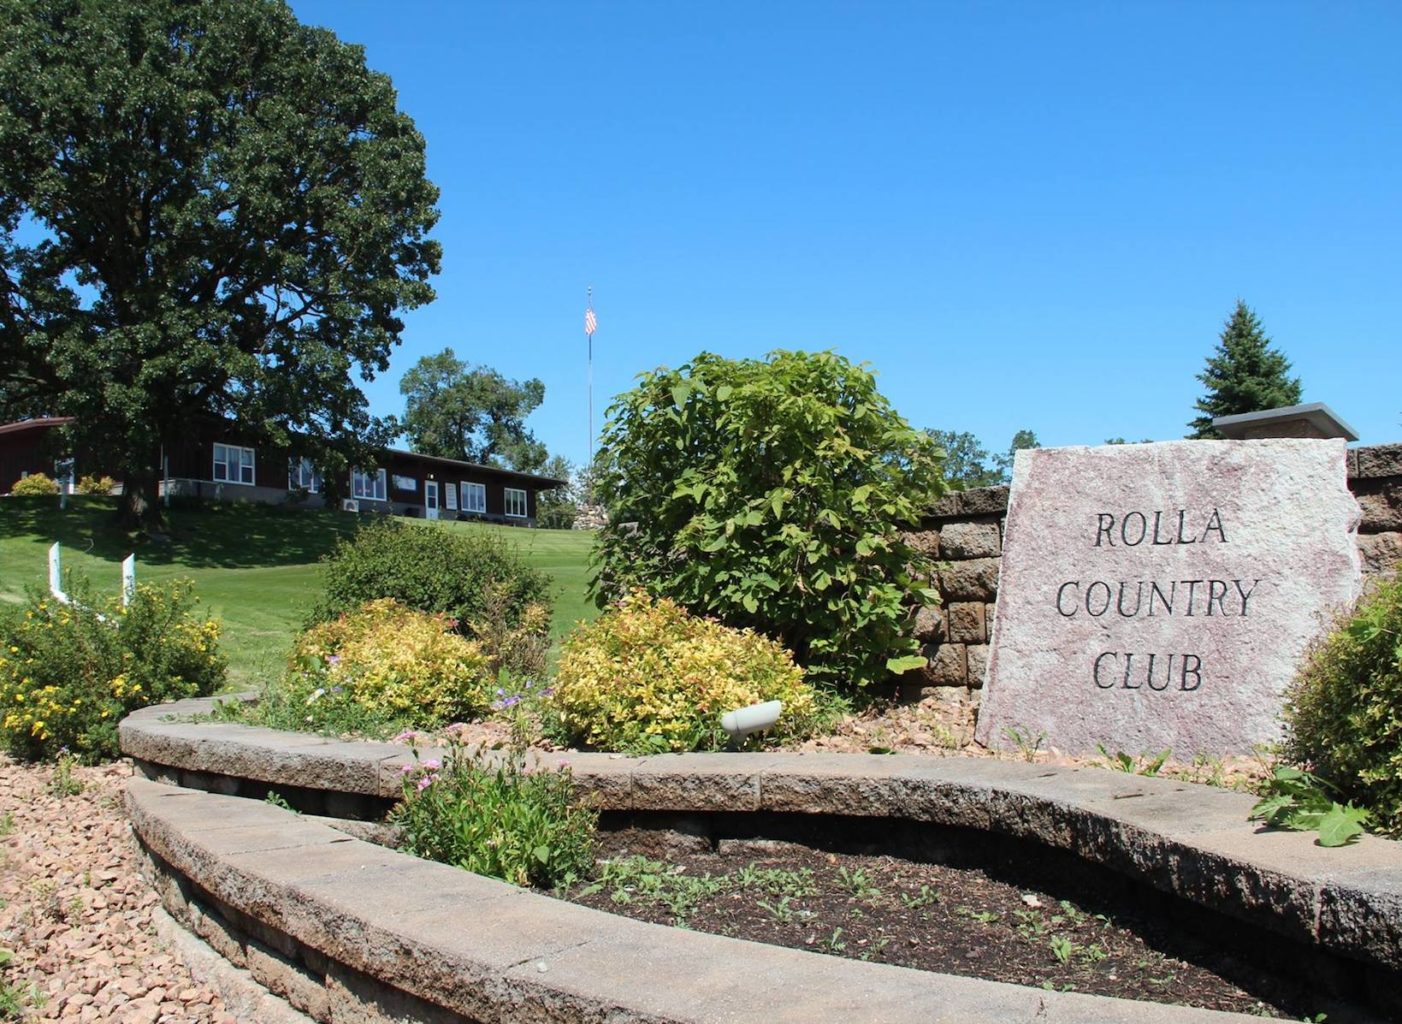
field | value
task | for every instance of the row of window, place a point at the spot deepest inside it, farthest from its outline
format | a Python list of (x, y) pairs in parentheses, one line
[(234, 465)]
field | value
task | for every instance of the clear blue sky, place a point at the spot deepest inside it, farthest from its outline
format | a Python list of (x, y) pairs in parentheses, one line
[(1020, 214)]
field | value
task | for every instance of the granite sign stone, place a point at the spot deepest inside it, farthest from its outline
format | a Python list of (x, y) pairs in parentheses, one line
[(1157, 596)]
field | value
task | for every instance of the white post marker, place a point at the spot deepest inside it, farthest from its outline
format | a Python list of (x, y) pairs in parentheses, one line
[(56, 576), (128, 579)]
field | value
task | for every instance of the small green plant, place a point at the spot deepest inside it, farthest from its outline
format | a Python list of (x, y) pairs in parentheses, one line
[(858, 883), (1145, 764), (834, 943), (1027, 744), (923, 898), (1062, 948), (981, 916), (63, 783), (1295, 799), (505, 820), (7, 824), (276, 799), (784, 910)]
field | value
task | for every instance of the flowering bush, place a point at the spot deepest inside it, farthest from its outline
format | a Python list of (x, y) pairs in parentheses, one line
[(504, 820), (376, 669), (647, 676), (69, 673), (35, 483)]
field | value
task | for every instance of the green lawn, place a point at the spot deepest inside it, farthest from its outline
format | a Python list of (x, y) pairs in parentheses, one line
[(254, 566)]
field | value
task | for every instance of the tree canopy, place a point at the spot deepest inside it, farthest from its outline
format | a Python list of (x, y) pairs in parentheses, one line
[(207, 211), (773, 494), (1244, 374), (456, 411), (966, 460)]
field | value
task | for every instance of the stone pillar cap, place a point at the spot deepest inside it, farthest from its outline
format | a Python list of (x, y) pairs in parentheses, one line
[(1312, 420)]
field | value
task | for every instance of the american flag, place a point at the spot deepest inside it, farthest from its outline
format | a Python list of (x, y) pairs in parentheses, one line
[(591, 322)]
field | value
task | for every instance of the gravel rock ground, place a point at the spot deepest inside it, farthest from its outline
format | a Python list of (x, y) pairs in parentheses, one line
[(76, 914)]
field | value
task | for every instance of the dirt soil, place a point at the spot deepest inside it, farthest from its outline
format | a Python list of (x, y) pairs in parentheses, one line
[(933, 917)]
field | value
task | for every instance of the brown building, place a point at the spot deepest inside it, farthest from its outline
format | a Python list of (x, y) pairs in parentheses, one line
[(223, 467)]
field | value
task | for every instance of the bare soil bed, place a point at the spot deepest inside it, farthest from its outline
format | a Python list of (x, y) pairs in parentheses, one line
[(935, 917)]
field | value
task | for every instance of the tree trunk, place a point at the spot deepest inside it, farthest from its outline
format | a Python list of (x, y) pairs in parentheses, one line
[(141, 505)]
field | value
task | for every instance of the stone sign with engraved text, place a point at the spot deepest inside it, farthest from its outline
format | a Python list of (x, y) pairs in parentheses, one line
[(1160, 596)]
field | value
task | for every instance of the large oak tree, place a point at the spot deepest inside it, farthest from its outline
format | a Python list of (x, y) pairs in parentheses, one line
[(207, 210)]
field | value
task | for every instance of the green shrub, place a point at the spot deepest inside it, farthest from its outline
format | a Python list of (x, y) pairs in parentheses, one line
[(378, 669), (646, 676), (67, 677), (471, 576), (773, 495), (95, 485), (1344, 713), (35, 484), (505, 820)]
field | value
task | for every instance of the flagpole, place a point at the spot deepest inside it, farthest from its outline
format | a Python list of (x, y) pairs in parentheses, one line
[(589, 334)]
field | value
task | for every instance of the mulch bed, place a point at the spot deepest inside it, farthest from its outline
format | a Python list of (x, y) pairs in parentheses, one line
[(934, 917)]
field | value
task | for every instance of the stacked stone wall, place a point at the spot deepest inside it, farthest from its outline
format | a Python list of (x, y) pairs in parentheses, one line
[(964, 533)]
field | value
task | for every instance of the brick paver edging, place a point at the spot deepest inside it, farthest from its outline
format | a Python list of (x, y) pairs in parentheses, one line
[(1193, 841)]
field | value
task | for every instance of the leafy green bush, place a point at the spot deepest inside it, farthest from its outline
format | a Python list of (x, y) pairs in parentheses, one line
[(773, 495), (505, 820), (646, 676), (35, 484), (1344, 713), (70, 673), (471, 576), (376, 670)]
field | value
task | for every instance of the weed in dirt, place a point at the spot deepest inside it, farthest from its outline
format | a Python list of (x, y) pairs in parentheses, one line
[(919, 900), (981, 916), (7, 825), (834, 943), (1027, 744), (1062, 948), (1145, 764), (858, 883), (64, 783)]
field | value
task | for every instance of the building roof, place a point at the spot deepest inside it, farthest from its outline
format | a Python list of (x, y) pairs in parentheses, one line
[(1312, 420), (478, 467), (38, 423)]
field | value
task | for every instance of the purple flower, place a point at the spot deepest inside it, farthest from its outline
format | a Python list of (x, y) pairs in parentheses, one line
[(432, 764), (425, 782), (409, 736), (549, 691), (335, 659)]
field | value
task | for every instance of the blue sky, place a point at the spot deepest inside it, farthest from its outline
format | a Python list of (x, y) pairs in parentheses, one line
[(1020, 214)]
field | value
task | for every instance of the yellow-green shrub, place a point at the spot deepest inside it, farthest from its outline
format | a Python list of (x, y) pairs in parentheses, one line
[(647, 676), (95, 485), (379, 667), (35, 483)]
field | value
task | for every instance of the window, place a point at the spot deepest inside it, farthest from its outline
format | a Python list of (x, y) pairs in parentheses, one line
[(474, 498), (364, 485), (232, 464), (303, 476), (405, 483), (516, 502), (450, 491)]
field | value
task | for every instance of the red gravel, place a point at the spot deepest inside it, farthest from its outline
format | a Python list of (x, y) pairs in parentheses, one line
[(75, 913)]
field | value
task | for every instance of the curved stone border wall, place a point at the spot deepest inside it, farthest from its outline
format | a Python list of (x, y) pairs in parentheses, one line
[(1192, 841)]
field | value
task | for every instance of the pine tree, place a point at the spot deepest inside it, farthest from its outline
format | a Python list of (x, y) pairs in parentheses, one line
[(1244, 375)]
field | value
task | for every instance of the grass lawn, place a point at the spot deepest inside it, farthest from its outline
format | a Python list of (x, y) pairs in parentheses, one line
[(254, 566)]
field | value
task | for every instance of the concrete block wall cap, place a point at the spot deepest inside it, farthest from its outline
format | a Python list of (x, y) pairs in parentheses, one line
[(1190, 840), (399, 920)]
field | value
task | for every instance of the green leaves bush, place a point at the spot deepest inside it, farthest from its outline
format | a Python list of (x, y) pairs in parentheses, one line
[(1344, 713), (772, 494), (646, 677), (70, 673), (502, 820), (378, 669), (472, 576)]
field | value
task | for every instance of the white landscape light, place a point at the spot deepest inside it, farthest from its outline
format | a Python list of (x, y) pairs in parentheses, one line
[(756, 718)]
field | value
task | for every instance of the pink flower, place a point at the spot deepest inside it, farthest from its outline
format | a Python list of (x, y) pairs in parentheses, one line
[(425, 782), (409, 736), (432, 764)]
